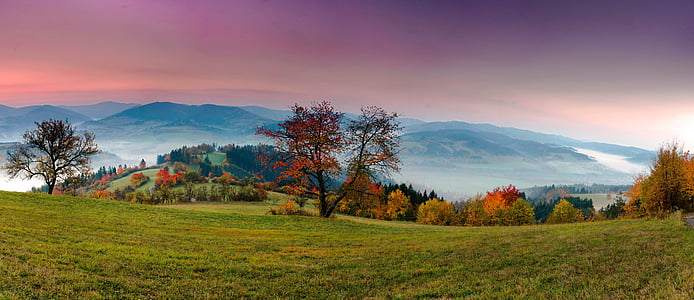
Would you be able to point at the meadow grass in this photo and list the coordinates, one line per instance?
(64, 247)
(216, 158)
(124, 182)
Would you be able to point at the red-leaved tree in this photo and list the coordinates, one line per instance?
(317, 146)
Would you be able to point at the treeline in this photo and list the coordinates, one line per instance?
(550, 192)
(187, 186)
(240, 161)
(543, 208)
(499, 207)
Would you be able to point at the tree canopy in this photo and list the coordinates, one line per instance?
(318, 146)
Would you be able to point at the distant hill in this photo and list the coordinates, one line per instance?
(161, 126)
(632, 154)
(482, 147)
(100, 110)
(448, 156)
(15, 121)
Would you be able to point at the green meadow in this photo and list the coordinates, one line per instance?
(64, 247)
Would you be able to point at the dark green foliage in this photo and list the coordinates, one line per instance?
(416, 197)
(538, 192)
(544, 208)
(612, 211)
(240, 161)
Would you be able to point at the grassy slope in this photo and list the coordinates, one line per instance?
(68, 247)
(216, 158)
(125, 181)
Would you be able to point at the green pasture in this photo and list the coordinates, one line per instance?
(69, 248)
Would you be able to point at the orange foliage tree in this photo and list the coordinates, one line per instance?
(362, 198)
(311, 143)
(498, 202)
(668, 187)
(138, 179)
(164, 179)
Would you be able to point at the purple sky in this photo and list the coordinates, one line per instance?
(613, 71)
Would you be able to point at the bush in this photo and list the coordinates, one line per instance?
(289, 208)
(436, 212)
(249, 193)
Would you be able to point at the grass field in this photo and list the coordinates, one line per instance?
(216, 158)
(62, 247)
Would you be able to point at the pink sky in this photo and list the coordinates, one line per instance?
(612, 71)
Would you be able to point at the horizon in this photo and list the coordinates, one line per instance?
(609, 71)
(288, 108)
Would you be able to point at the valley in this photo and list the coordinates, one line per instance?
(456, 158)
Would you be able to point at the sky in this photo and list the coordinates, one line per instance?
(612, 71)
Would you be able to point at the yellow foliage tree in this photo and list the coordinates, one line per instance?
(521, 213)
(436, 212)
(473, 212)
(564, 212)
(665, 190)
(398, 204)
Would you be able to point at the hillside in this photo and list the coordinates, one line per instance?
(456, 158)
(15, 121)
(161, 126)
(62, 247)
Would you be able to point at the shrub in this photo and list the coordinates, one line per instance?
(288, 207)
(436, 212)
(249, 193)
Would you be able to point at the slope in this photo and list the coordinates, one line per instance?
(15, 121)
(63, 247)
(161, 126)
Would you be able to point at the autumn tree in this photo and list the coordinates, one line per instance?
(473, 212)
(498, 202)
(54, 152)
(665, 190)
(317, 146)
(362, 198)
(521, 213)
(564, 212)
(397, 206)
(138, 179)
(436, 212)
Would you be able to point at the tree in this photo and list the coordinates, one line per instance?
(521, 213)
(436, 212)
(564, 212)
(362, 199)
(397, 206)
(498, 202)
(665, 188)
(316, 147)
(52, 151)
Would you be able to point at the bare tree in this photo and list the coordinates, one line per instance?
(52, 151)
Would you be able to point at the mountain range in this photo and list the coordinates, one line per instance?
(454, 157)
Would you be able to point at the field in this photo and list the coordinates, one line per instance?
(63, 247)
(599, 200)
